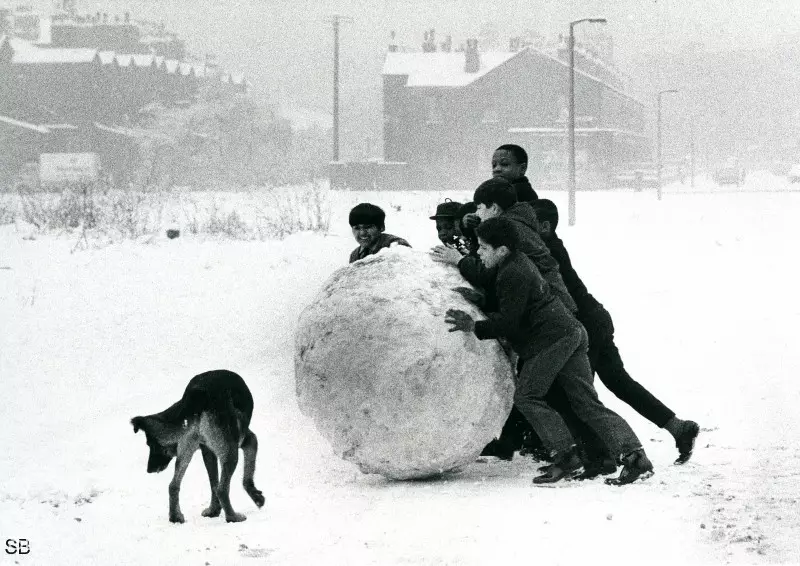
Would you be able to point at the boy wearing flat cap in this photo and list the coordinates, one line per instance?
(447, 220)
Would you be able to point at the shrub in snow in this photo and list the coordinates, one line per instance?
(384, 380)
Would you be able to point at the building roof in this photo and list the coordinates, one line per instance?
(446, 69)
(143, 59)
(124, 59)
(441, 69)
(24, 125)
(171, 65)
(33, 55)
(106, 57)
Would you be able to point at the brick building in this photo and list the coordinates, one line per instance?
(445, 111)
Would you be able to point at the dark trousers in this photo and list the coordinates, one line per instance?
(607, 364)
(565, 362)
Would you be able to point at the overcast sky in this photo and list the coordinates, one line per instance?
(286, 44)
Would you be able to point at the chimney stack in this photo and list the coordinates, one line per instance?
(472, 60)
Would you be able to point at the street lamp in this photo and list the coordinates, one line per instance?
(571, 120)
(658, 141)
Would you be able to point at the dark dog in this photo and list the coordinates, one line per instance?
(213, 415)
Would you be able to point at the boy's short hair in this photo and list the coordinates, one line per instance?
(496, 190)
(520, 155)
(546, 211)
(498, 231)
(367, 213)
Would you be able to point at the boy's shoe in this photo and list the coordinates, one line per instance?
(499, 450)
(635, 465)
(685, 441)
(567, 465)
(594, 468)
(539, 454)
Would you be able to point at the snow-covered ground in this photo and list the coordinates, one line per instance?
(703, 289)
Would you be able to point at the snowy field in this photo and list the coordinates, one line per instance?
(703, 288)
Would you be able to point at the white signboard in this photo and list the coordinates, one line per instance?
(65, 168)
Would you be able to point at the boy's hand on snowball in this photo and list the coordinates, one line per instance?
(459, 321)
(447, 255)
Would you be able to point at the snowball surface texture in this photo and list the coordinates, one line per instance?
(382, 378)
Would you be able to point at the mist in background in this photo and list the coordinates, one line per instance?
(733, 61)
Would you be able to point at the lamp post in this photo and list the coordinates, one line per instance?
(571, 119)
(658, 141)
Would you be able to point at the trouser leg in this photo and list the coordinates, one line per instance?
(534, 380)
(607, 363)
(576, 380)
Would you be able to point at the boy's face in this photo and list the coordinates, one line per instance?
(490, 256)
(542, 227)
(366, 234)
(505, 165)
(486, 212)
(447, 230)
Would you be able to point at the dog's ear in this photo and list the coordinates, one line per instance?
(137, 422)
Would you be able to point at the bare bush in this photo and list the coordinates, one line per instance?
(97, 212)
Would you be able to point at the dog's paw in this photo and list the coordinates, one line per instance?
(212, 511)
(235, 518)
(176, 517)
(257, 497)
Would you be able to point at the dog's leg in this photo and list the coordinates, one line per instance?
(210, 460)
(186, 449)
(250, 449)
(228, 461)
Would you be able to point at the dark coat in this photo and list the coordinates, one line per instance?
(384, 241)
(531, 244)
(527, 314)
(586, 303)
(525, 192)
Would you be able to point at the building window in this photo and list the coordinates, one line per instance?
(433, 110)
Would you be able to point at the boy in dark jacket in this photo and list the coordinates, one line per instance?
(603, 354)
(497, 197)
(368, 224)
(510, 162)
(552, 345)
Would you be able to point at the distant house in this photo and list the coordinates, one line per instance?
(446, 111)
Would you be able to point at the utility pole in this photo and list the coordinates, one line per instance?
(571, 120)
(336, 88)
(658, 141)
(691, 153)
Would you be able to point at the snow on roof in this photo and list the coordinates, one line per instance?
(143, 59)
(171, 65)
(124, 59)
(106, 57)
(441, 69)
(25, 125)
(59, 55)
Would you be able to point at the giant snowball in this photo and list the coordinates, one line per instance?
(384, 380)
